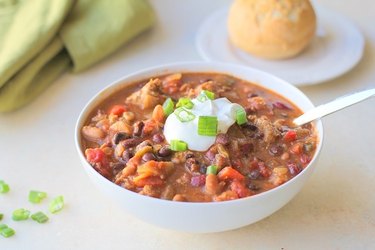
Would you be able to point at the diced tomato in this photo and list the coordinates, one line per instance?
(289, 136)
(95, 155)
(151, 180)
(117, 110)
(240, 189)
(230, 173)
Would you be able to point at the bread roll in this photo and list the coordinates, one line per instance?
(272, 29)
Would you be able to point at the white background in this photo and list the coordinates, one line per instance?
(335, 210)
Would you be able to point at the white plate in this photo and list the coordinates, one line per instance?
(337, 48)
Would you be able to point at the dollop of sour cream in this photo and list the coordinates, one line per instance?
(222, 108)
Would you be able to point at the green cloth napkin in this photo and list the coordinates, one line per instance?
(40, 39)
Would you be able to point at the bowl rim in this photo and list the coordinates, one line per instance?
(106, 91)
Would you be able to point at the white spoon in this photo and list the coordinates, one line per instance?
(333, 106)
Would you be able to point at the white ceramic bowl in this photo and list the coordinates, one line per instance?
(202, 217)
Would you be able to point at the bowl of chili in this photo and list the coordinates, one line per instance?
(198, 146)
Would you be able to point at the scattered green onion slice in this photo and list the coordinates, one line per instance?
(185, 102)
(6, 231)
(177, 145)
(4, 187)
(20, 214)
(205, 95)
(56, 204)
(168, 106)
(212, 169)
(39, 217)
(36, 196)
(241, 116)
(184, 115)
(207, 125)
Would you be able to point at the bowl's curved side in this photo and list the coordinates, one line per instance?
(202, 217)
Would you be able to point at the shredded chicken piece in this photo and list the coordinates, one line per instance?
(148, 96)
(266, 127)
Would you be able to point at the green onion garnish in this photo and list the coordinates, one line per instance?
(207, 125)
(205, 95)
(56, 204)
(4, 187)
(241, 116)
(20, 214)
(6, 231)
(168, 106)
(184, 115)
(185, 102)
(39, 217)
(212, 169)
(36, 196)
(177, 145)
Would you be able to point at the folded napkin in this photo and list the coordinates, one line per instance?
(40, 39)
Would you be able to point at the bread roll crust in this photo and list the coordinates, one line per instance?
(272, 29)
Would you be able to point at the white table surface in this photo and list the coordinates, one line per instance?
(335, 210)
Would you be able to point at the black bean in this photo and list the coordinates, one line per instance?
(164, 151)
(126, 155)
(117, 168)
(119, 136)
(158, 138)
(148, 157)
(253, 187)
(222, 139)
(138, 127)
(128, 143)
(254, 174)
(189, 155)
(276, 150)
(250, 126)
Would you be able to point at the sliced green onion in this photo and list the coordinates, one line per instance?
(184, 115)
(177, 145)
(207, 125)
(205, 95)
(241, 116)
(168, 106)
(6, 231)
(56, 204)
(212, 169)
(36, 196)
(39, 217)
(20, 214)
(4, 187)
(185, 102)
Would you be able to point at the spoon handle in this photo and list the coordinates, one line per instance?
(333, 106)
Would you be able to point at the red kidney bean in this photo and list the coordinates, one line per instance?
(305, 159)
(164, 151)
(158, 138)
(117, 168)
(126, 155)
(138, 127)
(148, 157)
(294, 169)
(280, 105)
(119, 136)
(128, 143)
(198, 180)
(276, 150)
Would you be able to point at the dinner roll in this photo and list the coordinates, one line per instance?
(272, 29)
